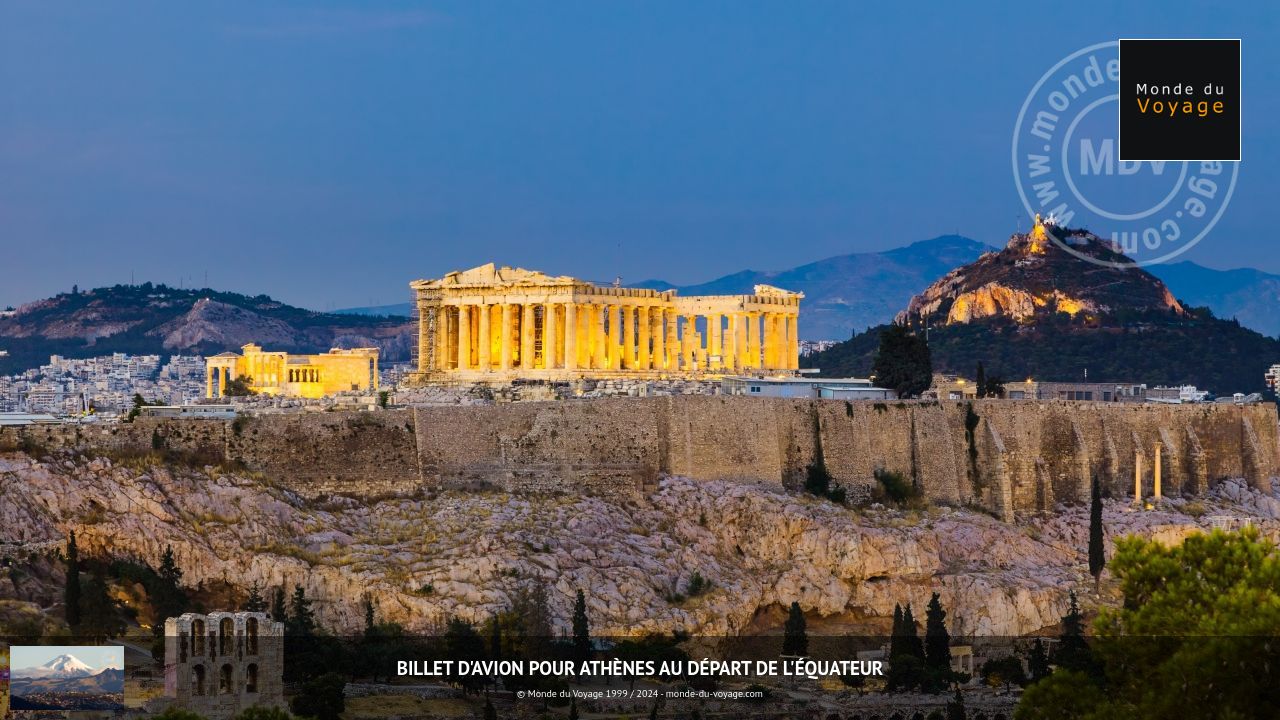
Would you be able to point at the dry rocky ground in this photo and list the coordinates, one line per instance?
(438, 555)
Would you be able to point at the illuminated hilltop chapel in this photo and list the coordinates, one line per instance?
(498, 324)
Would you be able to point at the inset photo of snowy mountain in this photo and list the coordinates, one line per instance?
(63, 677)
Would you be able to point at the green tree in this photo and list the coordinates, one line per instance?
(98, 613)
(71, 594)
(937, 646)
(581, 630)
(301, 620)
(1097, 551)
(1037, 662)
(321, 698)
(463, 645)
(490, 713)
(495, 638)
(573, 709)
(906, 654)
(278, 611)
(1003, 671)
(1193, 638)
(240, 386)
(1073, 652)
(903, 363)
(255, 602)
(168, 597)
(795, 639)
(367, 601)
(980, 381)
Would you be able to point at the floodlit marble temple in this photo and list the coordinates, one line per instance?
(282, 373)
(500, 324)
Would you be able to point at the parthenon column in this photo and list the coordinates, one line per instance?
(550, 347)
(443, 338)
(570, 336)
(614, 360)
(527, 323)
(792, 341)
(673, 339)
(642, 344)
(753, 340)
(729, 347)
(657, 329)
(485, 343)
(628, 337)
(769, 339)
(599, 351)
(715, 347)
(504, 336)
(424, 363)
(464, 337)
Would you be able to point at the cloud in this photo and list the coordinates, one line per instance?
(329, 22)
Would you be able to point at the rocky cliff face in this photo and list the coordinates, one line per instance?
(1035, 276)
(463, 554)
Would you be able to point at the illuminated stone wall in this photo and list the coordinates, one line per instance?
(1008, 456)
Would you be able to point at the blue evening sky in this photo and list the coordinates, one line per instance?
(328, 153)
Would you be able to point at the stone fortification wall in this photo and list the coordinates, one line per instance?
(1008, 456)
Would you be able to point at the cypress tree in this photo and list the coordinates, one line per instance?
(895, 639)
(1097, 555)
(1073, 652)
(581, 629)
(911, 635)
(278, 612)
(255, 602)
(573, 709)
(490, 713)
(71, 596)
(495, 639)
(795, 640)
(981, 381)
(937, 645)
(1038, 662)
(302, 621)
(368, 616)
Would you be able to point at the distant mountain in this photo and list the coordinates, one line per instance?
(155, 319)
(107, 681)
(1248, 295)
(848, 292)
(62, 666)
(396, 310)
(1034, 310)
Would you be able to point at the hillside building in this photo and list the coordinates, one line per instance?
(282, 373)
(1273, 378)
(499, 324)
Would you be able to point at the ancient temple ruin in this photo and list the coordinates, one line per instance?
(499, 324)
(218, 664)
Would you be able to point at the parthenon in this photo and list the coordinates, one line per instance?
(497, 324)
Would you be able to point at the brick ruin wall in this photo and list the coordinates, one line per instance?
(1008, 456)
